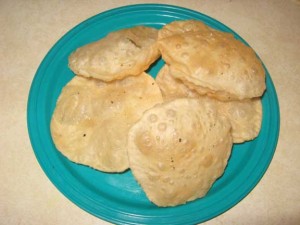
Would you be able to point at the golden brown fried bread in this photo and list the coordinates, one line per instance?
(178, 149)
(171, 87)
(181, 27)
(119, 54)
(245, 115)
(213, 63)
(92, 118)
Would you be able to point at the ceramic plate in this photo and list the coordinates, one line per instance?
(117, 197)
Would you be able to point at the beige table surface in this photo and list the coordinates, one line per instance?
(30, 28)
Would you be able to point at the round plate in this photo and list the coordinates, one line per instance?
(117, 197)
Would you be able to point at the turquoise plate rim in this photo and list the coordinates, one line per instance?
(106, 208)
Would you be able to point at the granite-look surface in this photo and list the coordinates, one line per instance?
(30, 28)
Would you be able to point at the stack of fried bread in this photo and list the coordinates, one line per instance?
(109, 93)
(175, 132)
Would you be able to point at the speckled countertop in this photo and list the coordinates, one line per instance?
(30, 28)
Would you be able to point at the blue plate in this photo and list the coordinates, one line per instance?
(117, 197)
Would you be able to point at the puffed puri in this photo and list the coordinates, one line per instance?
(92, 118)
(211, 62)
(122, 53)
(178, 149)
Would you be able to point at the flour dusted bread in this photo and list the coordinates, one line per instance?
(92, 118)
(212, 62)
(245, 115)
(121, 53)
(178, 149)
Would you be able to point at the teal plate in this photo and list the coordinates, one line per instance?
(117, 197)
